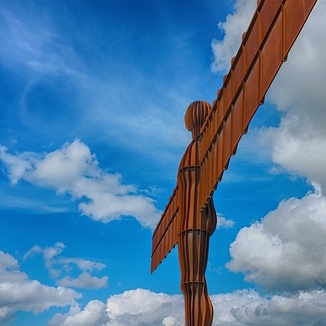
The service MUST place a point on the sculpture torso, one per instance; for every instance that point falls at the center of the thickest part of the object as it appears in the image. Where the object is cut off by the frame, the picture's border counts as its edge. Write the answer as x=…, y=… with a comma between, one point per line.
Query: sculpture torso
x=196, y=226
x=188, y=181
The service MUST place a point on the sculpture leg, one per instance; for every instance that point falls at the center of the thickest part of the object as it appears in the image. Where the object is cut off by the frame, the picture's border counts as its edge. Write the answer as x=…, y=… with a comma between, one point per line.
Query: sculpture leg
x=193, y=252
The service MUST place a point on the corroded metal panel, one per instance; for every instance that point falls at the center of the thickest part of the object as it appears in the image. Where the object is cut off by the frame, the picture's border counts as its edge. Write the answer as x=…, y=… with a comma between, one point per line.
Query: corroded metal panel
x=166, y=233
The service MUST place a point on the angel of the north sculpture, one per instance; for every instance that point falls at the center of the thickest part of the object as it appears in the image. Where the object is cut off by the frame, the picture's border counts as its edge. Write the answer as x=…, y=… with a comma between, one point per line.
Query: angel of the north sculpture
x=189, y=218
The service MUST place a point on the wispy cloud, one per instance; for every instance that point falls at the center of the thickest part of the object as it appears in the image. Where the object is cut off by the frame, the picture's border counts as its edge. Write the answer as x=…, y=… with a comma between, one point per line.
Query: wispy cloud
x=117, y=102
x=85, y=281
x=59, y=265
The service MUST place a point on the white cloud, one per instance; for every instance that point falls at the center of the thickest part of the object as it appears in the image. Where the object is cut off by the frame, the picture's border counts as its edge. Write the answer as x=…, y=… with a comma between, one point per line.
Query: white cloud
x=82, y=264
x=222, y=222
x=94, y=314
x=135, y=307
x=73, y=169
x=300, y=153
x=287, y=249
x=171, y=321
x=31, y=252
x=249, y=308
x=145, y=308
x=18, y=292
x=85, y=281
x=233, y=28
x=17, y=166
x=63, y=168
x=59, y=265
x=49, y=254
x=300, y=141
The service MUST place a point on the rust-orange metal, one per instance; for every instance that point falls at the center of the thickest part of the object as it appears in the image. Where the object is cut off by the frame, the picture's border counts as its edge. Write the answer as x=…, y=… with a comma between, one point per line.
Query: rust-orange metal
x=189, y=218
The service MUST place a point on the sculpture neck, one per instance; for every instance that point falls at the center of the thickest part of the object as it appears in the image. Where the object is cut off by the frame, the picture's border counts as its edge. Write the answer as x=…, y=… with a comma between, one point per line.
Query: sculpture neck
x=195, y=131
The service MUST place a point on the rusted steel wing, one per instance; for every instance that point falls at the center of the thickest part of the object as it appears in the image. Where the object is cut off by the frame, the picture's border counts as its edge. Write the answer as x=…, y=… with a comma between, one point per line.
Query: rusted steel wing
x=269, y=38
x=166, y=233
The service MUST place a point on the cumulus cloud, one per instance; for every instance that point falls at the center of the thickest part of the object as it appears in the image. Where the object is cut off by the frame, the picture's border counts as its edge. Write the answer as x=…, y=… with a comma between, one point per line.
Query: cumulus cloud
x=74, y=170
x=247, y=307
x=170, y=321
x=286, y=249
x=59, y=265
x=291, y=242
x=299, y=142
x=300, y=154
x=141, y=307
x=94, y=314
x=18, y=292
x=134, y=307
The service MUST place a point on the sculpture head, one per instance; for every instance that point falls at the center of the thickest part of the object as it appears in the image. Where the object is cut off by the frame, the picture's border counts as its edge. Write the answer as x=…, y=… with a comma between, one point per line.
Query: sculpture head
x=195, y=116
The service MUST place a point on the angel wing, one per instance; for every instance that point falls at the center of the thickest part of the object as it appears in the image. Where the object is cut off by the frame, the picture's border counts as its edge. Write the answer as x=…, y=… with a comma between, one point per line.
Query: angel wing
x=269, y=38
x=166, y=233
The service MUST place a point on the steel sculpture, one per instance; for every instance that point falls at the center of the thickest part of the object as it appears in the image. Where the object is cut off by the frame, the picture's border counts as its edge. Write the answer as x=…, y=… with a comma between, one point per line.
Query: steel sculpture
x=189, y=218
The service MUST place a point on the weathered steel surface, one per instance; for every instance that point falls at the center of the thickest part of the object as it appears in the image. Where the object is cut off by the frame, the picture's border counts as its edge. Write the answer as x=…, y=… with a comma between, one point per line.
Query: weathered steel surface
x=167, y=230
x=195, y=226
x=188, y=219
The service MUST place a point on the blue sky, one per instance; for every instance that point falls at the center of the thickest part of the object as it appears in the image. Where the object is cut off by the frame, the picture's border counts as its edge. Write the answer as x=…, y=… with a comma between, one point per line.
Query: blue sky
x=92, y=100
